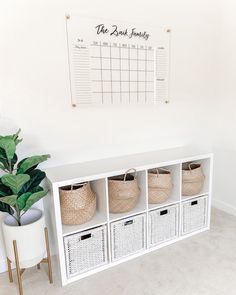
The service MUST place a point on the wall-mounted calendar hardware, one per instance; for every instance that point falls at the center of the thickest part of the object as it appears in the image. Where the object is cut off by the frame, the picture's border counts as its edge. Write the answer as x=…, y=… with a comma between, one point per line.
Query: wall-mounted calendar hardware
x=117, y=63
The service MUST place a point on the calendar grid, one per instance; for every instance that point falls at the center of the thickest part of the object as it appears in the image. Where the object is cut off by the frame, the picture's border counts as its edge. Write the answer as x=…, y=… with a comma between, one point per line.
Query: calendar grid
x=119, y=63
x=123, y=58
x=120, y=74
x=124, y=74
x=129, y=70
x=137, y=74
x=146, y=75
x=101, y=71
x=111, y=74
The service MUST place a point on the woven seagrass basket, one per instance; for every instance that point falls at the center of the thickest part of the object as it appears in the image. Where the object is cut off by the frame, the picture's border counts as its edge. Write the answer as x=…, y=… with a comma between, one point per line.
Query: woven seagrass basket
x=159, y=185
x=123, y=192
x=78, y=203
x=192, y=179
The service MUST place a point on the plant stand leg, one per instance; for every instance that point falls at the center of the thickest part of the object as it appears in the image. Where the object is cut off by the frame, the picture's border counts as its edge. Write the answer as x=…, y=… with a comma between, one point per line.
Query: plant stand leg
x=18, y=270
x=48, y=256
x=9, y=270
x=38, y=266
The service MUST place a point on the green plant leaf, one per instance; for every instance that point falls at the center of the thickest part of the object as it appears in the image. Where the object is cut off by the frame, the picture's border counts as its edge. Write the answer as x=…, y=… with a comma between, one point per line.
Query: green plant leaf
x=14, y=160
x=9, y=146
x=14, y=136
x=30, y=162
x=4, y=190
x=4, y=162
x=35, y=197
x=36, y=189
x=2, y=167
x=9, y=200
x=6, y=208
x=21, y=201
x=3, y=158
x=15, y=182
x=36, y=176
x=3, y=154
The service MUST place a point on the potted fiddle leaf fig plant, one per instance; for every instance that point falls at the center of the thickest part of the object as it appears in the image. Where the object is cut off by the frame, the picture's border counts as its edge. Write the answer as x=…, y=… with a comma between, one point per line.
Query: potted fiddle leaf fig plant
x=19, y=190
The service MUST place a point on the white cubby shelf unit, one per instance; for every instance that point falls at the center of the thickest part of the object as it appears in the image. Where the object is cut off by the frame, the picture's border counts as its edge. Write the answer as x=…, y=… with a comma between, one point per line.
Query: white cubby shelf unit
x=148, y=226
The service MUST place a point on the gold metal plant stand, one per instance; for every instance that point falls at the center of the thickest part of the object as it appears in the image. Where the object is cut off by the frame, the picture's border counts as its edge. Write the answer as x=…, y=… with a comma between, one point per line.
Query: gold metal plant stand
x=21, y=271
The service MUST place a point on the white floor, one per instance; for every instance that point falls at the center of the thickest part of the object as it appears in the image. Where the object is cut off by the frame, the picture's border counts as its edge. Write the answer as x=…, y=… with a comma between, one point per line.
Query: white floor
x=202, y=265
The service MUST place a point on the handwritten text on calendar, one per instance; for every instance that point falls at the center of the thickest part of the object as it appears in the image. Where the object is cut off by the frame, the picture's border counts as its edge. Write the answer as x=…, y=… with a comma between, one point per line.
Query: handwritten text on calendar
x=115, y=31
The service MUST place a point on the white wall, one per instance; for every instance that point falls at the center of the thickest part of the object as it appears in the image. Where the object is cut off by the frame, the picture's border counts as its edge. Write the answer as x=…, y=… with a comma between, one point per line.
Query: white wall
x=35, y=89
x=224, y=135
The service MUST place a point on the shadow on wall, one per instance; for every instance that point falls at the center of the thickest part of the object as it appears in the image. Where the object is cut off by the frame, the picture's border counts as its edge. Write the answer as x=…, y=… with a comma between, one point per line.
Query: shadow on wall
x=224, y=189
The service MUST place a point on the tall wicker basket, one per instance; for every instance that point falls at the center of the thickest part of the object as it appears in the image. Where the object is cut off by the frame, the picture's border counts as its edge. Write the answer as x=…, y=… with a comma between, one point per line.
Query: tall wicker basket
x=159, y=185
x=192, y=179
x=78, y=203
x=123, y=192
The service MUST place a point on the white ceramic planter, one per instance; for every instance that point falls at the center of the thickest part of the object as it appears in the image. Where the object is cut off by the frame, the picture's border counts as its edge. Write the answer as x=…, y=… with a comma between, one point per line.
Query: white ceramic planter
x=29, y=237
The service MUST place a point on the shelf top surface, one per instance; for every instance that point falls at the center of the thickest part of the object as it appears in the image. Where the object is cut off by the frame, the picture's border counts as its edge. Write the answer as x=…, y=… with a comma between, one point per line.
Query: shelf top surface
x=111, y=166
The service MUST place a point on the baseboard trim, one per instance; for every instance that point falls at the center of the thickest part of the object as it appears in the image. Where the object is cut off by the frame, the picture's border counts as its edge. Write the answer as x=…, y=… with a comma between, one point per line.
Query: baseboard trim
x=224, y=207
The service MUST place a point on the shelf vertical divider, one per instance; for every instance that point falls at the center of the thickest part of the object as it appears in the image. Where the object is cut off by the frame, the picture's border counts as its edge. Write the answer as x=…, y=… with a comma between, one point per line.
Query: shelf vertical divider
x=147, y=214
x=210, y=191
x=59, y=233
x=180, y=199
x=108, y=222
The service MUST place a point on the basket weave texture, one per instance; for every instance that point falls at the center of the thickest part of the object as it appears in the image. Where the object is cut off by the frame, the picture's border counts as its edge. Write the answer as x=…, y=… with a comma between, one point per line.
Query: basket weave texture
x=194, y=216
x=159, y=185
x=192, y=179
x=128, y=236
x=123, y=192
x=85, y=251
x=78, y=204
x=163, y=225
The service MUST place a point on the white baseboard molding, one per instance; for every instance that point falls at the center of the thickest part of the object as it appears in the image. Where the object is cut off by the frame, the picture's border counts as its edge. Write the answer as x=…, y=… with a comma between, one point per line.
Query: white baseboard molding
x=224, y=207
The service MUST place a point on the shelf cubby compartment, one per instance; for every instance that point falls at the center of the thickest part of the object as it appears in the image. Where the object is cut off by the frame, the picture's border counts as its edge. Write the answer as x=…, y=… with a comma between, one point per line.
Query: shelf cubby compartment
x=100, y=217
x=205, y=164
x=141, y=204
x=176, y=190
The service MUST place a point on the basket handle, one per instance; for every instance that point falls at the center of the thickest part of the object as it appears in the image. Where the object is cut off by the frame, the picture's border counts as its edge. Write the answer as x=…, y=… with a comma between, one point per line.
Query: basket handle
x=77, y=184
x=190, y=164
x=128, y=171
x=163, y=169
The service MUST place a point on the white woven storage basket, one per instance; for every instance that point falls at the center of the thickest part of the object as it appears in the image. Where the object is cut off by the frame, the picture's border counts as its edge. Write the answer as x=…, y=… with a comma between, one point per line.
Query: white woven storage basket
x=194, y=214
x=128, y=236
x=86, y=250
x=163, y=225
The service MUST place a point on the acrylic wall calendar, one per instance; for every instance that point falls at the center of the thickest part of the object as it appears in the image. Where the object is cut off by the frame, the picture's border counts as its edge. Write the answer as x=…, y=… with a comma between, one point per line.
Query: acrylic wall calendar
x=117, y=63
